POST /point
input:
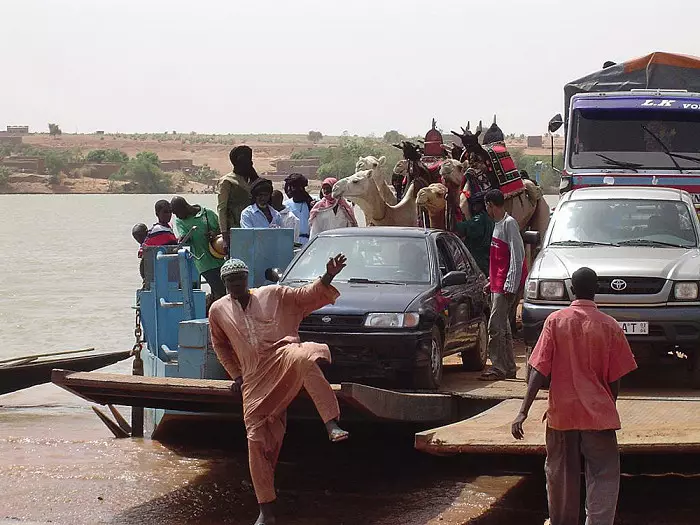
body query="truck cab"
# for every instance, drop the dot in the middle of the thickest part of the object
(639, 138)
(634, 124)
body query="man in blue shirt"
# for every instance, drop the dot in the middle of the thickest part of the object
(299, 202)
(260, 214)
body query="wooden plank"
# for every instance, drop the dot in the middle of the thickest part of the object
(206, 395)
(648, 426)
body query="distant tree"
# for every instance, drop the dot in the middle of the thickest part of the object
(315, 136)
(145, 175)
(205, 174)
(107, 155)
(54, 129)
(55, 163)
(148, 156)
(5, 173)
(393, 137)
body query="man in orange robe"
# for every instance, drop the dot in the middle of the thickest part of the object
(255, 334)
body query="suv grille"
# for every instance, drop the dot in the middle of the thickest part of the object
(634, 285)
(334, 322)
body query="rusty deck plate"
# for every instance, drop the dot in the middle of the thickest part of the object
(648, 426)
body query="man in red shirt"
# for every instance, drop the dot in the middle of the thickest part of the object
(585, 353)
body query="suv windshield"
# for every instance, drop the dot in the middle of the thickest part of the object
(384, 259)
(623, 221)
(635, 139)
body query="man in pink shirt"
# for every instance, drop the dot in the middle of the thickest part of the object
(585, 353)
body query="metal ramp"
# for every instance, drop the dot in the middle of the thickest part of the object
(214, 396)
(649, 426)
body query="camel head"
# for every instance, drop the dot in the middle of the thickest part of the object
(432, 198)
(470, 141)
(401, 168)
(452, 171)
(410, 150)
(369, 162)
(356, 185)
(455, 151)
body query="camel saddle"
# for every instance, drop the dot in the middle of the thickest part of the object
(503, 167)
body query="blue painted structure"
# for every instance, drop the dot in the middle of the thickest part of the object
(173, 306)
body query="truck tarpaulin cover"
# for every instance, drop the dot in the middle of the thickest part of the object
(655, 71)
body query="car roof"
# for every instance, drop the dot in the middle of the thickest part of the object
(626, 192)
(379, 231)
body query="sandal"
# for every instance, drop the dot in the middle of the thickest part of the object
(492, 375)
(338, 434)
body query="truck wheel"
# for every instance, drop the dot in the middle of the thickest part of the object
(474, 360)
(695, 370)
(429, 376)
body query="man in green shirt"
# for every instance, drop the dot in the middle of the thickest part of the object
(476, 234)
(207, 223)
(234, 190)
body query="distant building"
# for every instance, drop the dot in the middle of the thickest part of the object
(18, 130)
(100, 132)
(534, 141)
(307, 167)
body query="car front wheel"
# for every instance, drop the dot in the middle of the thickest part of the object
(429, 376)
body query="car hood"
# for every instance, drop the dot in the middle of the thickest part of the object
(360, 299)
(628, 261)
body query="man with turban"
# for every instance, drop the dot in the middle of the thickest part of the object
(234, 190)
(300, 203)
(255, 334)
(260, 214)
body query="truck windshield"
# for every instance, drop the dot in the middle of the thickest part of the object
(635, 139)
(620, 222)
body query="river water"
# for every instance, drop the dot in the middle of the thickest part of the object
(69, 274)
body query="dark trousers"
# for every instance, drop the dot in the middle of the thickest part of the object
(213, 278)
(563, 470)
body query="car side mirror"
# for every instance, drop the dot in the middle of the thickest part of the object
(531, 237)
(273, 275)
(454, 278)
(555, 123)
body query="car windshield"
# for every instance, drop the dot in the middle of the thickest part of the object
(370, 259)
(635, 139)
(623, 222)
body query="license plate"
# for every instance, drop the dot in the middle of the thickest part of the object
(635, 328)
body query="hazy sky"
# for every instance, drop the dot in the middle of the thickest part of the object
(288, 66)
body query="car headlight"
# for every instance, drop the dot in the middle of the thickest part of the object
(531, 289)
(392, 320)
(687, 291)
(552, 290)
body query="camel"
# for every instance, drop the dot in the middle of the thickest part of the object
(528, 208)
(373, 163)
(433, 199)
(361, 189)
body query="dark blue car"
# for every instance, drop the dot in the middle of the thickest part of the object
(409, 298)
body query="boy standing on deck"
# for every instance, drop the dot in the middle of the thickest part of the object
(507, 273)
(585, 353)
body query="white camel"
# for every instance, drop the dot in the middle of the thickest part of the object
(373, 163)
(361, 189)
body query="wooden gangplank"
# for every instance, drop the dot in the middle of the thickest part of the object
(214, 396)
(649, 425)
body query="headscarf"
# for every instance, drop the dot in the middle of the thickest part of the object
(238, 153)
(232, 267)
(260, 185)
(298, 179)
(329, 201)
